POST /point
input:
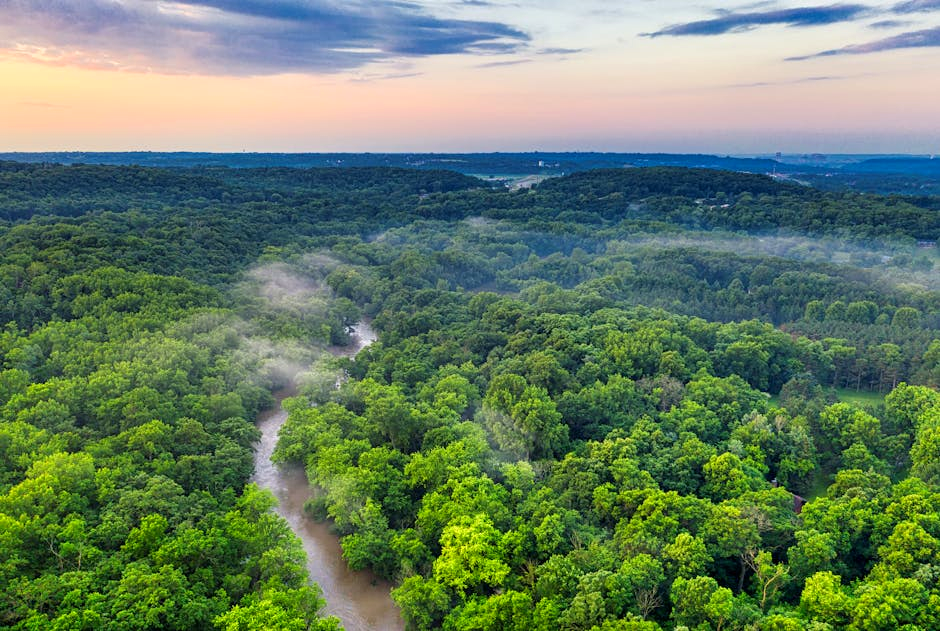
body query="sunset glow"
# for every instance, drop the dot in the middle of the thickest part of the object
(454, 76)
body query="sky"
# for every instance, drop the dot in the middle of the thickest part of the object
(470, 75)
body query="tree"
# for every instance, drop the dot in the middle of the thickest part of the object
(824, 599)
(471, 555)
(893, 604)
(687, 556)
(813, 551)
(749, 360)
(629, 622)
(906, 317)
(909, 548)
(423, 602)
(769, 577)
(888, 361)
(523, 419)
(148, 598)
(925, 453)
(815, 311)
(700, 600)
(732, 534)
(371, 543)
(850, 425)
(843, 357)
(861, 312)
(600, 596)
(724, 477)
(389, 411)
(836, 311)
(511, 611)
(278, 609)
(930, 365)
(643, 576)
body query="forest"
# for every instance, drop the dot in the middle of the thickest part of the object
(625, 399)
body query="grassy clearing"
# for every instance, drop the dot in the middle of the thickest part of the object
(861, 398)
(819, 485)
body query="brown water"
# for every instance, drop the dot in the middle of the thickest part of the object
(359, 599)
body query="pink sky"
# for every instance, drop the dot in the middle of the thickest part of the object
(451, 76)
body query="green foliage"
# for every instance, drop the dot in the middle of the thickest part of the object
(564, 424)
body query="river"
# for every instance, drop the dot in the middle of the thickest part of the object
(359, 599)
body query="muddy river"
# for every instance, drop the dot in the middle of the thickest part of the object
(359, 599)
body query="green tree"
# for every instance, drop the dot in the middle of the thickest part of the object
(687, 557)
(423, 602)
(523, 420)
(724, 477)
(893, 604)
(471, 555)
(700, 601)
(825, 600)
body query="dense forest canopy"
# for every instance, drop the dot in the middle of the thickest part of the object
(624, 399)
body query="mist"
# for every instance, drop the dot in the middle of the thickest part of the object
(282, 310)
(902, 267)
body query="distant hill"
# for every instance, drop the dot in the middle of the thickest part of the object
(670, 181)
(906, 175)
(909, 165)
(476, 163)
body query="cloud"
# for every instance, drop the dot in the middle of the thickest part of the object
(917, 6)
(370, 78)
(499, 64)
(732, 22)
(765, 84)
(559, 51)
(889, 24)
(238, 37)
(42, 105)
(927, 38)
(559, 54)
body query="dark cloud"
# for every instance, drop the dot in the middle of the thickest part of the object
(238, 37)
(928, 38)
(889, 24)
(917, 6)
(731, 21)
